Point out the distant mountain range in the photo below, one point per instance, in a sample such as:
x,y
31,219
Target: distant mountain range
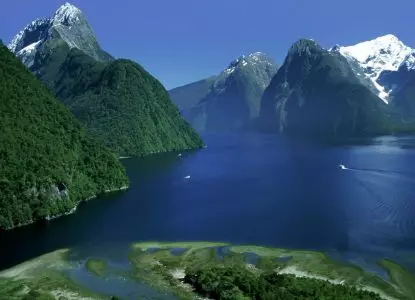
x,y
317,93
230,100
120,103
365,89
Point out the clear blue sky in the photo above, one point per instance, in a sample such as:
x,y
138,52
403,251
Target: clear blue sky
x,y
180,41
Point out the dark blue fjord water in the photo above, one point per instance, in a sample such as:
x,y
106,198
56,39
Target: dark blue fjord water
x,y
251,189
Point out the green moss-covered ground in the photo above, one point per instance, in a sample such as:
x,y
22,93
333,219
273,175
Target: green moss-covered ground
x,y
213,270
97,267
42,278
400,277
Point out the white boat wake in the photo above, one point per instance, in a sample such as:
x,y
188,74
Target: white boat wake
x,y
343,167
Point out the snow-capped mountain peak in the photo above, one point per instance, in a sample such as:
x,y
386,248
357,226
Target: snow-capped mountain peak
x,y
19,41
67,24
385,53
67,14
251,59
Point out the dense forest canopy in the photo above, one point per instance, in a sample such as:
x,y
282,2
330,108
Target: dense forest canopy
x,y
47,162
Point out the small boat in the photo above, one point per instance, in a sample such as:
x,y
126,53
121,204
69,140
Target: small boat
x,y
343,167
187,177
180,155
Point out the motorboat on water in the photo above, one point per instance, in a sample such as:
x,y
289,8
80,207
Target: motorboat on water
x,y
343,167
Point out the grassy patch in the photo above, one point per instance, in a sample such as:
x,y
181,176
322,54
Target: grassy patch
x,y
319,265
97,267
56,259
164,267
187,245
44,284
41,278
155,269
401,277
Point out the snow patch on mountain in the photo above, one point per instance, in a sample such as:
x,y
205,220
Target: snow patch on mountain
x,y
18,41
385,53
252,59
27,54
27,40
68,24
67,15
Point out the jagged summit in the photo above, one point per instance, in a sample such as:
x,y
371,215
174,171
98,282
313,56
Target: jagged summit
x,y
251,59
231,102
31,33
304,43
385,53
67,14
381,55
68,24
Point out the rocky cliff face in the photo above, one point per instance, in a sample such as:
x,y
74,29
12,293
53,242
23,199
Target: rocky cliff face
x,y
119,103
68,25
233,99
316,93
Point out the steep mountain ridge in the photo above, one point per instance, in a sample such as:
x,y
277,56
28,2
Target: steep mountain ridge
x,y
380,59
187,96
47,162
120,104
317,93
69,24
233,97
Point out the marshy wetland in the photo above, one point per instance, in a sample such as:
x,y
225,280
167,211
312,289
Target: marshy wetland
x,y
164,270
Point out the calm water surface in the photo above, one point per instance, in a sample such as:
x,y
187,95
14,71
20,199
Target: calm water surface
x,y
251,189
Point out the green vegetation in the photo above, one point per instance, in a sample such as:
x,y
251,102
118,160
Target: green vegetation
x,y
42,279
216,271
47,162
43,285
236,281
188,245
317,265
314,271
120,103
97,267
401,277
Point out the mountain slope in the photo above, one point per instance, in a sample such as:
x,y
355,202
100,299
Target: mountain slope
x,y
385,61
316,93
234,97
117,100
187,96
123,106
68,24
47,163
404,96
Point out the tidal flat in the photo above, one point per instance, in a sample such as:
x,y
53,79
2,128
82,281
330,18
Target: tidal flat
x,y
155,270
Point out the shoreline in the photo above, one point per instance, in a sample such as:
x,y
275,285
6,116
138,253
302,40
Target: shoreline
x,y
71,211
204,146
303,264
